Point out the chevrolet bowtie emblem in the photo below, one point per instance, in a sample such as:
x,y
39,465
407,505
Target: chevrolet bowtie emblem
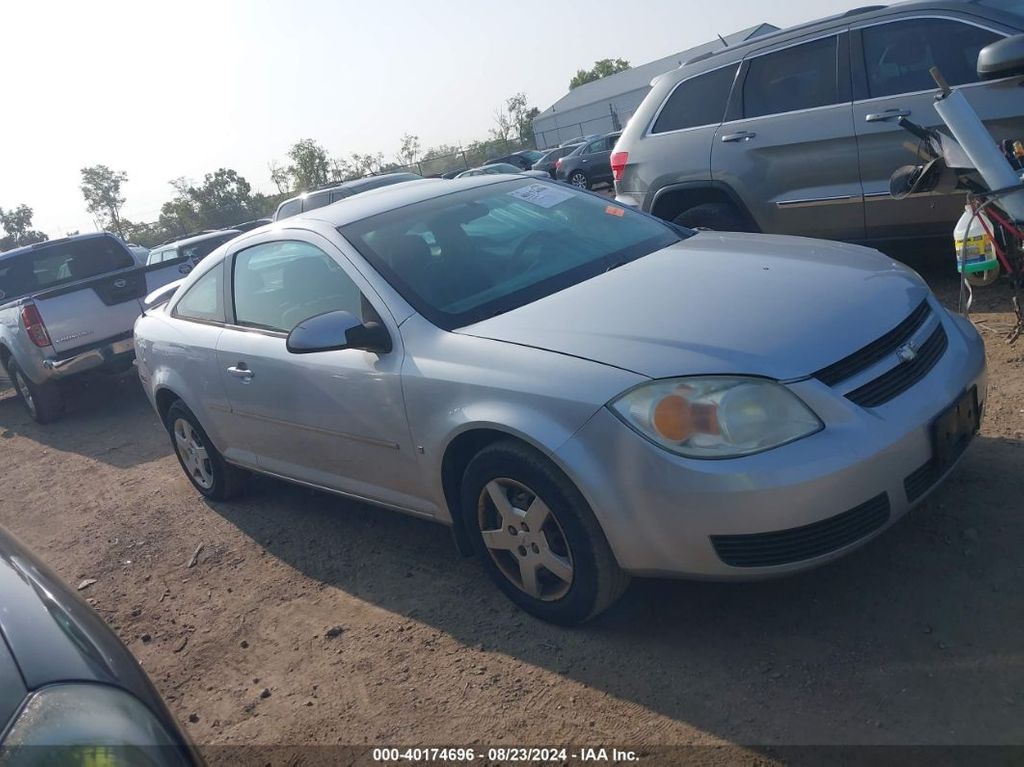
x,y
907,353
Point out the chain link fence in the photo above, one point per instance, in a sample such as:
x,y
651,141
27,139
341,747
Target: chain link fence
x,y
548,138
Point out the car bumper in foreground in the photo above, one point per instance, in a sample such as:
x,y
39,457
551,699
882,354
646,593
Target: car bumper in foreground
x,y
784,510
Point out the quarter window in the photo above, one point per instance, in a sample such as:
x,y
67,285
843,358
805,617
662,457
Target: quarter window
x,y
289,209
800,77
277,285
897,56
315,201
701,100
204,300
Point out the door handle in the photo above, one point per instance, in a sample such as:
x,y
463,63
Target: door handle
x,y
888,114
743,135
241,370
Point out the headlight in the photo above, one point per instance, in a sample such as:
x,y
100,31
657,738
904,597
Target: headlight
x,y
90,725
716,416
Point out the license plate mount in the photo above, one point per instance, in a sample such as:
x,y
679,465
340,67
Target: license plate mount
x,y
953,430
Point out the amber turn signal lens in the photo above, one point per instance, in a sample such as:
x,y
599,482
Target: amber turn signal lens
x,y
672,418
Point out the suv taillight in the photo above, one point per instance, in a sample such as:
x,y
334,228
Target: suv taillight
x,y
34,326
619,160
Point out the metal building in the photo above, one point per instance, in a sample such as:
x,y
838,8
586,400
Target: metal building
x,y
604,105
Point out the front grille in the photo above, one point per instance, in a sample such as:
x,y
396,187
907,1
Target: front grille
x,y
921,479
799,543
896,381
860,360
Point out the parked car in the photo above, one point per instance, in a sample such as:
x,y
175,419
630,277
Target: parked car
x,y
523,159
313,200
245,226
67,306
752,406
580,139
548,161
588,164
450,174
191,250
139,252
500,167
70,691
797,132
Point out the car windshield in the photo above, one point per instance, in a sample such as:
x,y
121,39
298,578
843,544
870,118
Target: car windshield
x,y
197,251
59,263
466,256
532,155
501,167
1015,7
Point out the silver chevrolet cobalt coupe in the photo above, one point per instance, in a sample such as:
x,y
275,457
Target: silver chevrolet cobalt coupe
x,y
582,392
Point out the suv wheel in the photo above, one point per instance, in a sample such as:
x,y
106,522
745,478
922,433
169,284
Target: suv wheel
x,y
536,536
717,216
579,179
44,401
204,466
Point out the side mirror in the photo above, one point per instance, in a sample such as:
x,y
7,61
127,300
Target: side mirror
x,y
1003,58
335,331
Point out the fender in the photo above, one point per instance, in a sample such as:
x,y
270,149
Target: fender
x,y
696,186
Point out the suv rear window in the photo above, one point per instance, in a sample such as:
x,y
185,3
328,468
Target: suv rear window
x,y
701,100
897,56
59,263
801,77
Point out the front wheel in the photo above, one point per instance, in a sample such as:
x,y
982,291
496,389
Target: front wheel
x,y
536,536
44,401
202,463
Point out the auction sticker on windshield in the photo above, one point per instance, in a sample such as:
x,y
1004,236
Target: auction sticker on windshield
x,y
543,195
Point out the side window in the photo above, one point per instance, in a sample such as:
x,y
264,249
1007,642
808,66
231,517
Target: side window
x,y
598,145
204,300
288,209
800,77
277,285
338,195
701,100
897,56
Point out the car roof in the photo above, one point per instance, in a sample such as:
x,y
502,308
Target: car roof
x,y
730,55
392,197
59,240
199,238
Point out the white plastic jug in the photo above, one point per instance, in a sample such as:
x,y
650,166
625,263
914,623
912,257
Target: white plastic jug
x,y
975,253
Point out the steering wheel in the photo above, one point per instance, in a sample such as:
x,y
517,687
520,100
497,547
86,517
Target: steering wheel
x,y
519,260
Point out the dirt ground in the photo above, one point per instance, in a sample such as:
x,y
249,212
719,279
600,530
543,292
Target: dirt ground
x,y
308,619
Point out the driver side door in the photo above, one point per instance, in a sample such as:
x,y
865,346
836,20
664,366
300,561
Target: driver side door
x,y
334,419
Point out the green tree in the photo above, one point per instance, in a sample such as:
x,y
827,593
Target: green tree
x,y
514,120
17,223
310,166
280,177
602,68
368,164
222,199
410,149
101,188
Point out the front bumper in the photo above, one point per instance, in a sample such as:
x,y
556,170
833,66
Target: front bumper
x,y
102,355
660,512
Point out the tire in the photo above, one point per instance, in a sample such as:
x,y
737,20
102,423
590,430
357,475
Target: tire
x,y
44,401
716,216
578,179
583,580
204,466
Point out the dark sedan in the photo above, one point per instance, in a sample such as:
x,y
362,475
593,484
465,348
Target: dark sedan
x,y
70,691
523,159
549,159
589,164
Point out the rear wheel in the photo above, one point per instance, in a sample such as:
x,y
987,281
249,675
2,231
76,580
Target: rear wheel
x,y
44,401
536,536
579,179
204,466
717,216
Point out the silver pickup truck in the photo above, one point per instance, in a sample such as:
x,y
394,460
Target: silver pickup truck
x,y
68,306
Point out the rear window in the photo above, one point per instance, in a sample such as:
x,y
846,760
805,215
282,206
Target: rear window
x,y
469,255
701,100
197,251
60,263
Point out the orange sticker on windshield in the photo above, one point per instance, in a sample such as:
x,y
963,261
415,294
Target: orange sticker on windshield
x,y
612,210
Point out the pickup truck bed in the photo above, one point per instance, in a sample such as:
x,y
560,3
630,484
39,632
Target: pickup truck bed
x,y
68,306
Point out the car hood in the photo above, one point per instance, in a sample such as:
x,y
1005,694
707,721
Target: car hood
x,y
764,305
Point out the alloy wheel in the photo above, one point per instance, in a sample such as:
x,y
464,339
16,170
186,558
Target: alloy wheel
x,y
525,540
193,453
578,179
25,392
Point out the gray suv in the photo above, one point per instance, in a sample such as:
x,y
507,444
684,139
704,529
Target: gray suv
x,y
797,132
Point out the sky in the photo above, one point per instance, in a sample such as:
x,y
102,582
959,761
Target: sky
x,y
171,89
